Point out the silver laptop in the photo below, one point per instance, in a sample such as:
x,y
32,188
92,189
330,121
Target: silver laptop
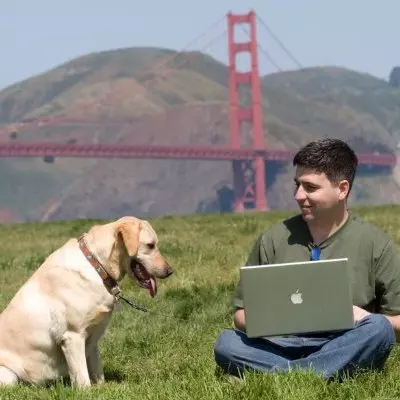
x,y
297,298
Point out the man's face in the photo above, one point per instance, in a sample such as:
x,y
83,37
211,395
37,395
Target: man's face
x,y
318,197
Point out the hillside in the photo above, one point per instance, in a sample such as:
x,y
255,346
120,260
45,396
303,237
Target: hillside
x,y
334,98
115,84
122,97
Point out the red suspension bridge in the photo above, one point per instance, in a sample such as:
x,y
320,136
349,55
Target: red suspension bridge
x,y
248,164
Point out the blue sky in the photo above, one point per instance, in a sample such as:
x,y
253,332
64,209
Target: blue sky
x,y
358,34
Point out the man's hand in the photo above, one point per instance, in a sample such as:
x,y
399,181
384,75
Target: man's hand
x,y
359,313
239,320
395,322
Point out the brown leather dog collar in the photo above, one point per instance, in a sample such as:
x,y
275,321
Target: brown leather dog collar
x,y
109,282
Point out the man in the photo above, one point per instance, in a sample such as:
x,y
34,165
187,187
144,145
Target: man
x,y
325,170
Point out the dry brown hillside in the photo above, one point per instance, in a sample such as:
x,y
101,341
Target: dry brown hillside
x,y
124,98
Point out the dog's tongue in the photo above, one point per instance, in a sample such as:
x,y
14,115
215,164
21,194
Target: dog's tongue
x,y
152,287
145,280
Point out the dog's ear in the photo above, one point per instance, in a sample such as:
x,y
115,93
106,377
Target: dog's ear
x,y
130,235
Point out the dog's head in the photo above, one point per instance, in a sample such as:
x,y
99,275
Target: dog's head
x,y
131,247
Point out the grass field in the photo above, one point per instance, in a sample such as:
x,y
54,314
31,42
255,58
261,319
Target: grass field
x,y
168,352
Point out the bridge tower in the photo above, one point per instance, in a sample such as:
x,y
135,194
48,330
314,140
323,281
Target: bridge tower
x,y
249,184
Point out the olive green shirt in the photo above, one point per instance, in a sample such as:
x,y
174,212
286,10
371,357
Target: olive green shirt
x,y
373,259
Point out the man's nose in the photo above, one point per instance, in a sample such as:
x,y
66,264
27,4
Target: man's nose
x,y
299,194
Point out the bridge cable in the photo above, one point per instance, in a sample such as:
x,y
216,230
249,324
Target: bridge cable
x,y
283,47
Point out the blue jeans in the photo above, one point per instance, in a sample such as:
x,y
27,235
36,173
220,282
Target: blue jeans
x,y
366,346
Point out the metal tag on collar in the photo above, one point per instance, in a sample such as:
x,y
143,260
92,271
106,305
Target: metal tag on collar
x,y
115,291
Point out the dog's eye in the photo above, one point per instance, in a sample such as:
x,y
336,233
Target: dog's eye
x,y
151,246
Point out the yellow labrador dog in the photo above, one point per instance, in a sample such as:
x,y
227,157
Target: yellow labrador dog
x,y
52,326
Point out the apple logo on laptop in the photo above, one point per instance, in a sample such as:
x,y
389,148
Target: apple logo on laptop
x,y
296,297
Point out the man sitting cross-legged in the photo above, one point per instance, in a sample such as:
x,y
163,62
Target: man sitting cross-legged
x,y
325,170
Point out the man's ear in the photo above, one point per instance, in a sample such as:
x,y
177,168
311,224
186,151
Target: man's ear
x,y
130,236
344,188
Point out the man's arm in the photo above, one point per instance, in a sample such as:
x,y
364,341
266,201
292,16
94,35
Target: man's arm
x,y
257,256
388,285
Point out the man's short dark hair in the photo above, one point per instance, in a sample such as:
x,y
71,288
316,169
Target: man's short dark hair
x,y
331,156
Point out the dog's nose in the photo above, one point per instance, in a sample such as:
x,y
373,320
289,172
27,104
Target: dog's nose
x,y
169,271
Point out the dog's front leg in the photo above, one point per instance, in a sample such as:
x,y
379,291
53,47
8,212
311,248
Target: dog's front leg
x,y
73,346
95,367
